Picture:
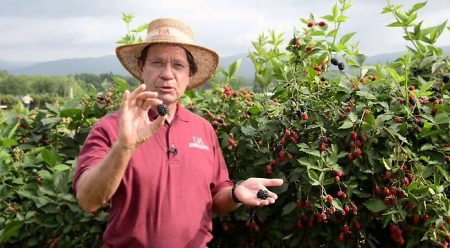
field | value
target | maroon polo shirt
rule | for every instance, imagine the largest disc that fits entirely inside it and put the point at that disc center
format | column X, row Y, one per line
column 165, row 198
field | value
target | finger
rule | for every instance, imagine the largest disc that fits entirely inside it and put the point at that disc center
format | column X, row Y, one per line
column 271, row 182
column 157, row 123
column 147, row 94
column 150, row 102
column 125, row 99
column 264, row 202
column 136, row 92
column 273, row 195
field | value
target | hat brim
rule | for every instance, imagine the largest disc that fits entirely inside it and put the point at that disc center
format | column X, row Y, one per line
column 206, row 60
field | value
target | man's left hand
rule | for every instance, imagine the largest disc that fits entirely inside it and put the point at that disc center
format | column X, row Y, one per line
column 247, row 191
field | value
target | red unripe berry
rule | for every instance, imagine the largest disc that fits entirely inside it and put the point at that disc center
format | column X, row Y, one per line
column 357, row 225
column 305, row 116
column 412, row 87
column 323, row 148
column 341, row 237
column 346, row 229
column 287, row 132
column 281, row 154
column 354, row 136
column 269, row 169
column 338, row 173
column 416, row 219
column 308, row 204
column 406, row 181
column 388, row 175
column 378, row 190
column 322, row 23
column 298, row 42
column 410, row 176
column 362, row 80
column 425, row 217
column 447, row 220
column 357, row 153
column 329, row 198
column 386, row 201
column 310, row 24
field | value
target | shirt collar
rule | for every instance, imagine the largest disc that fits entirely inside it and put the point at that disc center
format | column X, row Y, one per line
column 181, row 113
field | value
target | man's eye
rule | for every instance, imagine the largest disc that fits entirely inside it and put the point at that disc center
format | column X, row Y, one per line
column 157, row 63
column 178, row 66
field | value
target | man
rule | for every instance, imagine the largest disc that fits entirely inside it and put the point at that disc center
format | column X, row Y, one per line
column 27, row 101
column 163, row 175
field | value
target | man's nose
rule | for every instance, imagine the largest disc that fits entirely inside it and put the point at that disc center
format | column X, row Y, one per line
column 167, row 71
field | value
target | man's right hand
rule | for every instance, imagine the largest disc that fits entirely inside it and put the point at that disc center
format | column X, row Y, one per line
column 134, row 125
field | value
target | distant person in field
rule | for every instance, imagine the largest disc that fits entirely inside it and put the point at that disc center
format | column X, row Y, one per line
column 159, row 165
column 27, row 101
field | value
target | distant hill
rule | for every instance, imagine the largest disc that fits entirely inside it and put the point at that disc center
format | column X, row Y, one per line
column 110, row 63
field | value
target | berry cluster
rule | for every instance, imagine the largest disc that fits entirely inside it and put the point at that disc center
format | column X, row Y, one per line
column 334, row 61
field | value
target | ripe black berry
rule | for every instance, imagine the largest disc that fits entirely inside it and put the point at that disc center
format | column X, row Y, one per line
column 446, row 79
column 334, row 61
column 162, row 109
column 341, row 66
column 435, row 88
column 296, row 115
column 262, row 194
column 420, row 123
column 410, row 120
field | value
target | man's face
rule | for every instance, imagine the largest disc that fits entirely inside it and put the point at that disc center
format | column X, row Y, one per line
column 166, row 71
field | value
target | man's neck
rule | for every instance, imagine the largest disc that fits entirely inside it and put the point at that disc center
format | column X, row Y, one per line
column 172, row 112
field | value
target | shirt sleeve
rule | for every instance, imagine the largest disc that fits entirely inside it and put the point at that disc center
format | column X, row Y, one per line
column 96, row 146
column 221, row 177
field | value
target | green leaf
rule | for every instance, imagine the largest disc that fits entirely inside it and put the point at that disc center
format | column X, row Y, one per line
column 442, row 118
column 427, row 147
column 346, row 125
column 375, row 205
column 233, row 68
column 416, row 7
column 248, row 130
column 288, row 208
column 50, row 120
column 50, row 157
column 395, row 24
column 61, row 167
column 10, row 230
column 344, row 39
column 52, row 108
column 314, row 177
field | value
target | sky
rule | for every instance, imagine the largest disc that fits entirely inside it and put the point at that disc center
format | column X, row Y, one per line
column 45, row 30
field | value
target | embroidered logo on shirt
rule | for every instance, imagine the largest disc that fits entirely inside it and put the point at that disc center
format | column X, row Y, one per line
column 198, row 143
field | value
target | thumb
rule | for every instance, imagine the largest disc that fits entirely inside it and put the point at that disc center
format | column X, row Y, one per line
column 157, row 123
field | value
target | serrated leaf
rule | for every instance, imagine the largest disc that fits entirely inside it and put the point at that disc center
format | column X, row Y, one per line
column 314, row 177
column 427, row 147
column 10, row 230
column 346, row 125
column 248, row 130
column 375, row 205
column 50, row 157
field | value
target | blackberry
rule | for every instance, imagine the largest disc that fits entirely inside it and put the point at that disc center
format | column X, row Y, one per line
column 295, row 115
column 410, row 120
column 334, row 61
column 446, row 79
column 262, row 194
column 341, row 66
column 435, row 88
column 432, row 99
column 420, row 123
column 162, row 109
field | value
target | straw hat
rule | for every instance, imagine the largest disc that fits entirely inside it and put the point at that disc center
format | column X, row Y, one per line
column 170, row 31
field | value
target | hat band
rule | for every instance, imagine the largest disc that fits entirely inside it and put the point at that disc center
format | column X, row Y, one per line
column 168, row 34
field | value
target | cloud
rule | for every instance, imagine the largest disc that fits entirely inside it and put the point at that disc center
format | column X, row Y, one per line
column 50, row 29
